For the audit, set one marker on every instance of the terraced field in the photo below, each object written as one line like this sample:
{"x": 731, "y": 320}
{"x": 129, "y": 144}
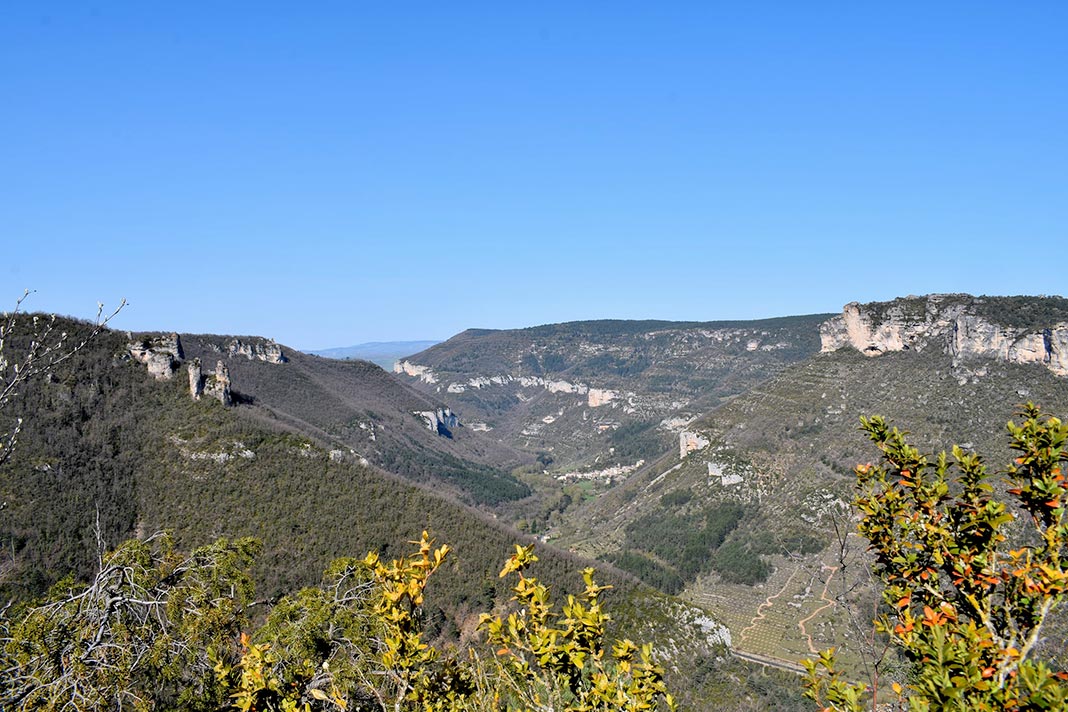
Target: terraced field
{"x": 798, "y": 611}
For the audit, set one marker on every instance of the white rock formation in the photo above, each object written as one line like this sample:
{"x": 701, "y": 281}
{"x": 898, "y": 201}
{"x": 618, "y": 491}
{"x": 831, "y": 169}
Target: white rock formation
{"x": 423, "y": 373}
{"x": 675, "y": 423}
{"x": 953, "y": 327}
{"x": 196, "y": 379}
{"x": 217, "y": 385}
{"x": 690, "y": 441}
{"x": 160, "y": 354}
{"x": 608, "y": 474}
{"x": 715, "y": 470}
{"x": 267, "y": 351}
{"x": 441, "y": 421}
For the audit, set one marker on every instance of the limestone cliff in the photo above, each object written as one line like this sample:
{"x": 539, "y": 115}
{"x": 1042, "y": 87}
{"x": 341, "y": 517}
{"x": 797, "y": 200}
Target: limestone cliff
{"x": 263, "y": 350}
{"x": 216, "y": 385}
{"x": 441, "y": 421}
{"x": 161, "y": 354}
{"x": 965, "y": 327}
{"x": 423, "y": 373}
{"x": 196, "y": 379}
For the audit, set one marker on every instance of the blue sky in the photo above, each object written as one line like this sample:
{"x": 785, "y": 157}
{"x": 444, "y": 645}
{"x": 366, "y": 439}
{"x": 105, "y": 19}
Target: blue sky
{"x": 381, "y": 171}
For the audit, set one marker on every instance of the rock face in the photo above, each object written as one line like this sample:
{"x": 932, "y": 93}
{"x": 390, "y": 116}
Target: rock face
{"x": 216, "y": 385}
{"x": 196, "y": 379}
{"x": 266, "y": 350}
{"x": 441, "y": 421}
{"x": 957, "y": 324}
{"x": 423, "y": 373}
{"x": 161, "y": 354}
{"x": 600, "y": 396}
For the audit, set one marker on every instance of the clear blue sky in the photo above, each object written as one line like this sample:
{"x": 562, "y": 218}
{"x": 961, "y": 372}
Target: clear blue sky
{"x": 376, "y": 171}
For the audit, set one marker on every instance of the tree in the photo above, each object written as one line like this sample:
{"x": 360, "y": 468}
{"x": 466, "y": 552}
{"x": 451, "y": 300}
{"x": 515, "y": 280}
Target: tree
{"x": 156, "y": 629}
{"x": 145, "y": 633}
{"x": 969, "y": 581}
{"x": 46, "y": 349}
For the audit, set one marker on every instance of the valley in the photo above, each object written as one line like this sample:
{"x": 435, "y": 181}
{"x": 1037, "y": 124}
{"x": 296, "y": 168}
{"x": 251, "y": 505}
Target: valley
{"x": 706, "y": 468}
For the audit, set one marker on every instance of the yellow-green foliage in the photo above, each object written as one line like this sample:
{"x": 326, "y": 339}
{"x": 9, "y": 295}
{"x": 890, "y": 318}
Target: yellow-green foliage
{"x": 966, "y": 609}
{"x": 141, "y": 635}
{"x": 554, "y": 661}
{"x": 157, "y": 630}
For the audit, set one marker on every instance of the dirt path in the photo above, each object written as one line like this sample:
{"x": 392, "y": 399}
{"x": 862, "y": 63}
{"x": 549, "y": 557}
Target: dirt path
{"x": 827, "y": 604}
{"x": 768, "y": 603}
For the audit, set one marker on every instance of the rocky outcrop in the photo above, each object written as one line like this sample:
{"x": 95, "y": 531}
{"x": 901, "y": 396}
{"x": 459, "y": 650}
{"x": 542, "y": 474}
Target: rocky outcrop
{"x": 215, "y": 385}
{"x": 441, "y": 421}
{"x": 690, "y": 441}
{"x": 266, "y": 350}
{"x": 161, "y": 354}
{"x": 196, "y": 379}
{"x": 423, "y": 373}
{"x": 896, "y": 326}
{"x": 950, "y": 323}
{"x": 974, "y": 337}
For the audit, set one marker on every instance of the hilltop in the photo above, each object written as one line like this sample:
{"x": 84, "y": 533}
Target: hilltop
{"x": 594, "y": 394}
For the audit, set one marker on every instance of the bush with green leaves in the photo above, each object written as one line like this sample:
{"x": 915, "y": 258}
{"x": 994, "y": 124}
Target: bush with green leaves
{"x": 561, "y": 661}
{"x": 970, "y": 582}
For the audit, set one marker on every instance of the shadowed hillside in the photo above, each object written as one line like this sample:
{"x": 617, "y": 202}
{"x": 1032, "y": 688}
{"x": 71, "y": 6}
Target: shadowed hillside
{"x": 357, "y": 407}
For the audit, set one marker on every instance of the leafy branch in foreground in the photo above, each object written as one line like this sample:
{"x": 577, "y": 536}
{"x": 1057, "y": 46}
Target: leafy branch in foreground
{"x": 158, "y": 630}
{"x": 556, "y": 661}
{"x": 967, "y": 610}
{"x": 141, "y": 634}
